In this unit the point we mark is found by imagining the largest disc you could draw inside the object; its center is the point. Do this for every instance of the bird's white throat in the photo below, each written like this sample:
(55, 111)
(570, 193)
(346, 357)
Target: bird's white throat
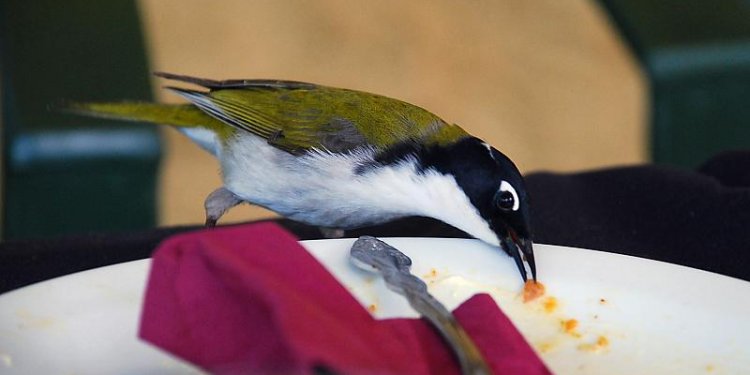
(324, 189)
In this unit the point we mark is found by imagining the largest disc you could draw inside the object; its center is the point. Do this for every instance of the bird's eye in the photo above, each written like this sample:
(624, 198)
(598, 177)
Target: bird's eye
(505, 200)
(506, 197)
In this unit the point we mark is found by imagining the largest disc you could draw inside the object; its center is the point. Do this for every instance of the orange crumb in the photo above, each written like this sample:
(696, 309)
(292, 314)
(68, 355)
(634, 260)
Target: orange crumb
(600, 344)
(570, 325)
(532, 290)
(550, 304)
(372, 308)
(433, 273)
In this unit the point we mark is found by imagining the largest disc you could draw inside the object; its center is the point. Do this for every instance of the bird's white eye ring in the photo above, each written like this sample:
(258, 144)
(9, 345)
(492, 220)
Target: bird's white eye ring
(506, 197)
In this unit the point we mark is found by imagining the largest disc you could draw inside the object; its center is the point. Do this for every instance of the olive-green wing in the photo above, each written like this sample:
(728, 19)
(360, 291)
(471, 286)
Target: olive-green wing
(298, 116)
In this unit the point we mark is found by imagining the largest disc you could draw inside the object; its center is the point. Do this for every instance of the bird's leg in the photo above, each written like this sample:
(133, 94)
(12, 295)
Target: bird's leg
(217, 203)
(331, 232)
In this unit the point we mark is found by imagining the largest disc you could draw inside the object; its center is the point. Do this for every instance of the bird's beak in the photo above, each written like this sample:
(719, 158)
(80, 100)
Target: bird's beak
(522, 252)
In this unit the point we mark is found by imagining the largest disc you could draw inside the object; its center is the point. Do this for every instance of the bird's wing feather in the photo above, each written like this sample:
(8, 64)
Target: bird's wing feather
(298, 116)
(235, 83)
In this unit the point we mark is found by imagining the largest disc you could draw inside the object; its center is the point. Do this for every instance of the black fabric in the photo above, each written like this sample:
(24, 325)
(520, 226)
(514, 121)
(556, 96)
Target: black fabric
(696, 218)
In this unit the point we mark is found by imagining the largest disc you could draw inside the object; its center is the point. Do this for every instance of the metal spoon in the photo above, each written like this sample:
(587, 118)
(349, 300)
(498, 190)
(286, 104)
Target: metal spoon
(369, 252)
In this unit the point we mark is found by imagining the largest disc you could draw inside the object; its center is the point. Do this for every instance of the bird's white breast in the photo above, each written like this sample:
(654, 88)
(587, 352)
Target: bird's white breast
(203, 137)
(324, 189)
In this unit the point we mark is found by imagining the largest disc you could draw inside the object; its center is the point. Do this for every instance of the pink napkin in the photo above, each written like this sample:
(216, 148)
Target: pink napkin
(250, 299)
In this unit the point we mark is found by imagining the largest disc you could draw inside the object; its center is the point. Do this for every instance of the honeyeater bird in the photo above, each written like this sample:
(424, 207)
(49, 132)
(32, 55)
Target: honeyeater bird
(342, 159)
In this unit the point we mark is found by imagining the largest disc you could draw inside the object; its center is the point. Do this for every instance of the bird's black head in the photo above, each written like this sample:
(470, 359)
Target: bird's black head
(496, 189)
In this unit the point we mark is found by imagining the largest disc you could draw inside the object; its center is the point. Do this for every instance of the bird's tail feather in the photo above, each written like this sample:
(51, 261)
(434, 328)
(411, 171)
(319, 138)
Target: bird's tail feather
(181, 115)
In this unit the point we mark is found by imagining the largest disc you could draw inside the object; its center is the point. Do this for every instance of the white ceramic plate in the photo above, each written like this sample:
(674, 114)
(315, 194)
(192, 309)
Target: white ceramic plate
(632, 316)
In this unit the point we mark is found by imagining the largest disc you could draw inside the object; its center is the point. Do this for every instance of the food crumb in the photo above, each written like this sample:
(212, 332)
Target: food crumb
(532, 290)
(710, 368)
(569, 326)
(602, 301)
(550, 304)
(372, 308)
(546, 347)
(600, 344)
(433, 273)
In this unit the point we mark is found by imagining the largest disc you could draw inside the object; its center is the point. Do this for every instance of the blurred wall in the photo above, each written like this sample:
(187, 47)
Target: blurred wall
(548, 82)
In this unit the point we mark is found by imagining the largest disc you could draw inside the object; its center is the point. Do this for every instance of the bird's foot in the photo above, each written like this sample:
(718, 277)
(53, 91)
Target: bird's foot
(217, 203)
(331, 232)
